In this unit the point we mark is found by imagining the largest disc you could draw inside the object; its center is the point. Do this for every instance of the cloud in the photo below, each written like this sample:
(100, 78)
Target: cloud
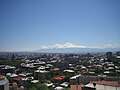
(66, 45)
(71, 45)
(108, 46)
(111, 46)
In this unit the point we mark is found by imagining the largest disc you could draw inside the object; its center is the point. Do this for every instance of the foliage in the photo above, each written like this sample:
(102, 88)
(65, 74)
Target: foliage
(40, 86)
(114, 60)
(10, 80)
(12, 63)
(33, 88)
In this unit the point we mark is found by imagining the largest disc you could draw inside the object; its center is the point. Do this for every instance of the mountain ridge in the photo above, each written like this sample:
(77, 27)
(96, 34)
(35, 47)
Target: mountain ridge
(77, 50)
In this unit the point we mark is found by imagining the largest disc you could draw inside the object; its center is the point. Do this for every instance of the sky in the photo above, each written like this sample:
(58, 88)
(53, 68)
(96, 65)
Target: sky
(33, 24)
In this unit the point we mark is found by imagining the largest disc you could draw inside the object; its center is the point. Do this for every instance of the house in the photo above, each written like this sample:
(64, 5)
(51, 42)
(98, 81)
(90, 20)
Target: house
(59, 88)
(41, 75)
(4, 83)
(59, 78)
(76, 87)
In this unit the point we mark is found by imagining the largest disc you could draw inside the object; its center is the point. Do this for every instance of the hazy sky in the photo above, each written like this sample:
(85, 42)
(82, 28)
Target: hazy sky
(30, 24)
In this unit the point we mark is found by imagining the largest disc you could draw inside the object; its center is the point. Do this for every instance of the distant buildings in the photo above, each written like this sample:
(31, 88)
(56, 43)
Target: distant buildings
(109, 54)
(84, 71)
(12, 57)
(118, 53)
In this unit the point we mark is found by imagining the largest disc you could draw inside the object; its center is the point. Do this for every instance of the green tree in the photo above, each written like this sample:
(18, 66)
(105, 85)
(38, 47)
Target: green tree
(40, 86)
(33, 88)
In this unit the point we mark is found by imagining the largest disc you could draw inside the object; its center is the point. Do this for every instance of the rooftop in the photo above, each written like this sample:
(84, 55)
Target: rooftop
(74, 77)
(2, 77)
(70, 71)
(108, 83)
(41, 71)
(17, 78)
(3, 82)
(59, 77)
(56, 69)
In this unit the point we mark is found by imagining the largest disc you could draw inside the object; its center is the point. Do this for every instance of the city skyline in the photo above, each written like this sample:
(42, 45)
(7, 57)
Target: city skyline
(28, 25)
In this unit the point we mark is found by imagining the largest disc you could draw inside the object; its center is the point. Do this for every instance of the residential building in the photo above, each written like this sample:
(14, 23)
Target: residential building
(4, 83)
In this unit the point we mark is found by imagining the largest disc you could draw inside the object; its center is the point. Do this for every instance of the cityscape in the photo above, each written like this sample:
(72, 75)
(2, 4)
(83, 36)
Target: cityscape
(59, 45)
(59, 71)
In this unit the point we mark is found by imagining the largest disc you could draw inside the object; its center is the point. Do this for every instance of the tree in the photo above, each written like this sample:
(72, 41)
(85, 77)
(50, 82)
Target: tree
(39, 86)
(33, 88)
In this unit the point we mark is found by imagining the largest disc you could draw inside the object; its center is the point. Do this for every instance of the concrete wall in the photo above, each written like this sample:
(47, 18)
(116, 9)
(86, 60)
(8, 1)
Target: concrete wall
(6, 86)
(103, 87)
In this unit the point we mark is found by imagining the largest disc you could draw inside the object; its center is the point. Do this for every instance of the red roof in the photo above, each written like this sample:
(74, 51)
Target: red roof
(2, 77)
(59, 77)
(56, 69)
(109, 83)
(17, 78)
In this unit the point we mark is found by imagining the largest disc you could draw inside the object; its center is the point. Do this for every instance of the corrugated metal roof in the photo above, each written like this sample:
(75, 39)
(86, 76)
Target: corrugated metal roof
(3, 82)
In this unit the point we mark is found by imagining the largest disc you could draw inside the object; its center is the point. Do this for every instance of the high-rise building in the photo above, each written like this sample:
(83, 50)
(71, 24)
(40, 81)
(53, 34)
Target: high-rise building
(109, 54)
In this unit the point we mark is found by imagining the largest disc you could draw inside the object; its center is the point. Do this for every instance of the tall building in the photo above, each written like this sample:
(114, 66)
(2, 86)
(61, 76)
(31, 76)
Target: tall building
(118, 53)
(109, 54)
(13, 57)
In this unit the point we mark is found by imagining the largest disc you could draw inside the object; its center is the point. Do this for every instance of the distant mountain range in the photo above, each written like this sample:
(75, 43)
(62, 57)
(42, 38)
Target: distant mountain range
(77, 50)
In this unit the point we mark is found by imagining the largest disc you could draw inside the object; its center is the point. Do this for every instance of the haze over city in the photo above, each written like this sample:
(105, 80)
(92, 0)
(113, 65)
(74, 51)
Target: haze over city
(28, 25)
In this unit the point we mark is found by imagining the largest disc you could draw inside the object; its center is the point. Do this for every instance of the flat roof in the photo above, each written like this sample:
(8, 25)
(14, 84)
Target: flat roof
(108, 83)
(74, 77)
(41, 71)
